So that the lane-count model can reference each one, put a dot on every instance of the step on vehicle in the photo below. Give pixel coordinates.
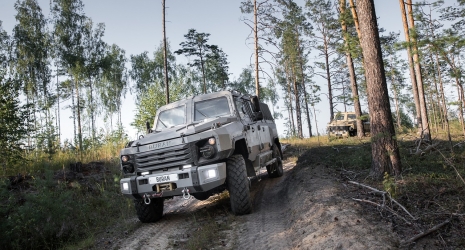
(200, 146)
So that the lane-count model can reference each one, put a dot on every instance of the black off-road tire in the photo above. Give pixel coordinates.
(276, 169)
(238, 185)
(151, 212)
(201, 196)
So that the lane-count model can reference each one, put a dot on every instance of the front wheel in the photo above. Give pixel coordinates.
(151, 212)
(238, 185)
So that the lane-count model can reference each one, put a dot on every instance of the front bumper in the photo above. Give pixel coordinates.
(168, 184)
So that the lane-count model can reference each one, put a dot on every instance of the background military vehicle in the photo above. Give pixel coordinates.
(200, 146)
(344, 124)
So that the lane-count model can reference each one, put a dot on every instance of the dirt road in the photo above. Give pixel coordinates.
(304, 209)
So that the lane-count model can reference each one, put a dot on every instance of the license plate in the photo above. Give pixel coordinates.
(163, 178)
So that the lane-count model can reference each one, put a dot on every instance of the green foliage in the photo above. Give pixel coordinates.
(208, 59)
(146, 71)
(154, 98)
(48, 210)
(389, 184)
(13, 125)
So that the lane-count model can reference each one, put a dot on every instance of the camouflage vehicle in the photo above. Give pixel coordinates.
(201, 146)
(345, 125)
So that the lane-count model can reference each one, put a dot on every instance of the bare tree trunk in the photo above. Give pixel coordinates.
(298, 113)
(328, 79)
(396, 100)
(78, 116)
(411, 67)
(385, 153)
(257, 83)
(92, 109)
(355, 16)
(165, 59)
(421, 92)
(353, 77)
(291, 114)
(58, 110)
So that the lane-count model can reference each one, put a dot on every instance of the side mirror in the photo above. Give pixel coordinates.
(258, 116)
(147, 125)
(255, 103)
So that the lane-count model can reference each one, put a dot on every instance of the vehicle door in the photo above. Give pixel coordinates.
(251, 131)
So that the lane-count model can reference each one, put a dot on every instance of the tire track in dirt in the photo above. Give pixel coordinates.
(265, 228)
(174, 222)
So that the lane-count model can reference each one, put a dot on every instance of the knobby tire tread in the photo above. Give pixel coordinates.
(149, 213)
(238, 185)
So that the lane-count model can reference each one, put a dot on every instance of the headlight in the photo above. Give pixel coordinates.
(211, 141)
(125, 186)
(124, 158)
(209, 175)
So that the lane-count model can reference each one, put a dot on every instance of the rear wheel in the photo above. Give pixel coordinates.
(151, 212)
(238, 185)
(276, 169)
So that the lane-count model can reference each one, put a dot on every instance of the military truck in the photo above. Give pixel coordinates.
(200, 146)
(344, 124)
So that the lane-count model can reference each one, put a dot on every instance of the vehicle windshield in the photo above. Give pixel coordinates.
(351, 116)
(171, 117)
(211, 108)
(340, 117)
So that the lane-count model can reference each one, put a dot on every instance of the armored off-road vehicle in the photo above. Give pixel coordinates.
(344, 124)
(200, 146)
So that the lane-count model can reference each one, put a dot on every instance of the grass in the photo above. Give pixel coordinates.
(46, 209)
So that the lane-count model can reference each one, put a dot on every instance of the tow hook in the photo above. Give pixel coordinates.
(147, 197)
(186, 194)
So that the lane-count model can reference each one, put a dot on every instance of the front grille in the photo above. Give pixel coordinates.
(164, 158)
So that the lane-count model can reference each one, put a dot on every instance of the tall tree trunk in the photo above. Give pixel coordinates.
(353, 77)
(79, 127)
(291, 114)
(92, 109)
(396, 99)
(411, 67)
(355, 16)
(441, 88)
(58, 110)
(301, 64)
(421, 92)
(73, 106)
(203, 71)
(328, 78)
(165, 59)
(298, 113)
(385, 153)
(255, 13)
(307, 111)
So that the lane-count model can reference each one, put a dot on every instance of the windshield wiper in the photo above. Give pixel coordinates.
(201, 113)
(162, 123)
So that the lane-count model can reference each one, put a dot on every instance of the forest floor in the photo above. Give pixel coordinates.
(312, 206)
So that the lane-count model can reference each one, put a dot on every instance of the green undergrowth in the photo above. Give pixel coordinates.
(44, 206)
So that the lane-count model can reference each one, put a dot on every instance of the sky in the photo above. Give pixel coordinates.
(136, 26)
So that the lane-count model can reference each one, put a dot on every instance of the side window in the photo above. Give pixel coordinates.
(243, 108)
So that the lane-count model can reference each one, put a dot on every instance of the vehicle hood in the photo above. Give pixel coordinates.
(183, 131)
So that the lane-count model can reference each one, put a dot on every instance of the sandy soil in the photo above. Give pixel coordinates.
(307, 208)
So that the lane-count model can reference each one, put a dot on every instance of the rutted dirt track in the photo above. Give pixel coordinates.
(305, 209)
